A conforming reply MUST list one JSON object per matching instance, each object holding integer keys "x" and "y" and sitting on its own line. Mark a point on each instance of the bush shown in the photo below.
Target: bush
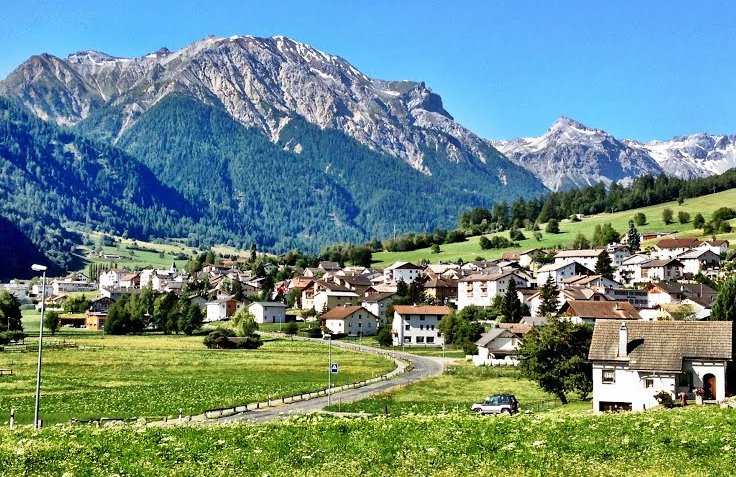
{"x": 219, "y": 339}
{"x": 553, "y": 227}
{"x": 683, "y": 217}
{"x": 664, "y": 399}
{"x": 667, "y": 215}
{"x": 698, "y": 221}
{"x": 724, "y": 213}
{"x": 516, "y": 234}
{"x": 640, "y": 219}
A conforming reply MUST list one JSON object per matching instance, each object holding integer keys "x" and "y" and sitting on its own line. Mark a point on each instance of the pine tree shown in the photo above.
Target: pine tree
{"x": 633, "y": 239}
{"x": 512, "y": 310}
{"x": 603, "y": 266}
{"x": 549, "y": 295}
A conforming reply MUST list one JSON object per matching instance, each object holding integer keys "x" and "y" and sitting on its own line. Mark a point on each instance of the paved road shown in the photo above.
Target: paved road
{"x": 423, "y": 367}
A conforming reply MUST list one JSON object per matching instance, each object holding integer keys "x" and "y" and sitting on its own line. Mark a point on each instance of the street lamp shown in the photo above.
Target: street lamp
{"x": 328, "y": 337}
{"x": 39, "y": 268}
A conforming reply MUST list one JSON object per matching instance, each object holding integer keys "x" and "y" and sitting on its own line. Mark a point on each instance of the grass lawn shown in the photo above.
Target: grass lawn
{"x": 155, "y": 375}
{"x": 696, "y": 441}
{"x": 470, "y": 249}
{"x": 462, "y": 385}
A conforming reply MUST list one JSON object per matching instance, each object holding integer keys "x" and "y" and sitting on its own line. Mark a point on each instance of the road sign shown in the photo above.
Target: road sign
{"x": 333, "y": 368}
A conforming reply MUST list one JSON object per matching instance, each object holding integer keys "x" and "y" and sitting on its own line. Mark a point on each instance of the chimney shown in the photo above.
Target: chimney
{"x": 623, "y": 340}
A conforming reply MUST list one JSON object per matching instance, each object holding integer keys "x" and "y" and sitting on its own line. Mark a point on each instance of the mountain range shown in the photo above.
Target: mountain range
{"x": 571, "y": 155}
{"x": 242, "y": 139}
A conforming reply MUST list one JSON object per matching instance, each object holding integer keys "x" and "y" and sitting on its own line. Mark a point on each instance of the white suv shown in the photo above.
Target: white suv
{"x": 497, "y": 404}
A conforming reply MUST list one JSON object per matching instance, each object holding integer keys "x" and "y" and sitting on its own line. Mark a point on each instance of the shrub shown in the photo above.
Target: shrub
{"x": 683, "y": 217}
{"x": 723, "y": 213}
{"x": 219, "y": 339}
{"x": 553, "y": 227}
{"x": 667, "y": 215}
{"x": 640, "y": 219}
{"x": 664, "y": 398}
{"x": 698, "y": 221}
{"x": 516, "y": 234}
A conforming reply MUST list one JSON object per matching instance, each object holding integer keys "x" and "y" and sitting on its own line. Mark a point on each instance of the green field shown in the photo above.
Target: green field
{"x": 461, "y": 385}
{"x": 470, "y": 249}
{"x": 694, "y": 442}
{"x": 155, "y": 375}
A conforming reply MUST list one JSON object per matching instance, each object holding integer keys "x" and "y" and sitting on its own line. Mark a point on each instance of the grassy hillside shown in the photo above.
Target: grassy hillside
{"x": 470, "y": 249}
{"x": 695, "y": 441}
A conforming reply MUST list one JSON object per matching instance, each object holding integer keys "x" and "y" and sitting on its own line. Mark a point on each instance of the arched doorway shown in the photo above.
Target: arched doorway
{"x": 709, "y": 386}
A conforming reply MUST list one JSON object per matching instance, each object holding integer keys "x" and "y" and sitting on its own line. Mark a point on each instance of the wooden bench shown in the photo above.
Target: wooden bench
{"x": 6, "y": 372}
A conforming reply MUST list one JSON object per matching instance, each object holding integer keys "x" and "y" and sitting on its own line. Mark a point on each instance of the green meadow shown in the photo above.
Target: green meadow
{"x": 155, "y": 375}
{"x": 694, "y": 441}
{"x": 470, "y": 249}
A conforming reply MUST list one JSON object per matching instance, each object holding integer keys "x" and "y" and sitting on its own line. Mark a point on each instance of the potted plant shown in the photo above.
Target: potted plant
{"x": 699, "y": 392}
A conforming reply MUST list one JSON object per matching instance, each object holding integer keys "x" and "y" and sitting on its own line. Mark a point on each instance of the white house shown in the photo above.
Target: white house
{"x": 350, "y": 320}
{"x": 67, "y": 286}
{"x": 586, "y": 257}
{"x": 377, "y": 303}
{"x": 618, "y": 253}
{"x": 497, "y": 344}
{"x": 719, "y": 247}
{"x": 268, "y": 311}
{"x": 634, "y": 360}
{"x": 561, "y": 271}
{"x": 661, "y": 270}
{"x": 406, "y": 271}
{"x": 417, "y": 325}
{"x": 480, "y": 289}
{"x": 222, "y": 309}
{"x": 326, "y": 299}
{"x": 110, "y": 278}
{"x": 698, "y": 260}
{"x": 672, "y": 247}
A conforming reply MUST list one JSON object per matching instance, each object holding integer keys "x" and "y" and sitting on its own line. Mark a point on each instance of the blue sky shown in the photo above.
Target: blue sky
{"x": 638, "y": 69}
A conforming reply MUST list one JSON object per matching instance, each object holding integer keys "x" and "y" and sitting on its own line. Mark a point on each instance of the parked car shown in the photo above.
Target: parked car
{"x": 497, "y": 404}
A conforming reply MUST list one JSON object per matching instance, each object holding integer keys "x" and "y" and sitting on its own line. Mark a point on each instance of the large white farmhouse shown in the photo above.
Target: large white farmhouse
{"x": 634, "y": 360}
{"x": 417, "y": 325}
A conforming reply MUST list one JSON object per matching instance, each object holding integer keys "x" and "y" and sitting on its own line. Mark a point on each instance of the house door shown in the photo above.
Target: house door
{"x": 709, "y": 382}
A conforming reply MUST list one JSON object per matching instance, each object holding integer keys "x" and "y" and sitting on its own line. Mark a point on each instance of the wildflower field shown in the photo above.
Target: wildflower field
{"x": 694, "y": 441}
{"x": 149, "y": 375}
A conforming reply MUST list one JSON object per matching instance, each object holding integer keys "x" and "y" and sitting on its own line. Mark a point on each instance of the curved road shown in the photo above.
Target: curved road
{"x": 423, "y": 367}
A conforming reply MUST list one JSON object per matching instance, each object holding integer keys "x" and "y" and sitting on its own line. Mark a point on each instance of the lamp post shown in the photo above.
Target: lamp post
{"x": 328, "y": 337}
{"x": 39, "y": 268}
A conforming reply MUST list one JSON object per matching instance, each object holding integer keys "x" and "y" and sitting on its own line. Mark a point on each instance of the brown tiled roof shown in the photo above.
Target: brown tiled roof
{"x": 678, "y": 243}
{"x": 342, "y": 312}
{"x": 421, "y": 310}
{"x": 717, "y": 242}
{"x": 662, "y": 345}
{"x": 376, "y": 297}
{"x": 600, "y": 309}
{"x": 516, "y": 328}
{"x": 672, "y": 262}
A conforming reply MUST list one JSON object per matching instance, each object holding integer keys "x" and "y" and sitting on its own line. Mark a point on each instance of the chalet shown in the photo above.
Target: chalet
{"x": 618, "y": 253}
{"x": 97, "y": 313}
{"x": 131, "y": 280}
{"x": 584, "y": 311}
{"x": 699, "y": 260}
{"x": 221, "y": 309}
{"x": 480, "y": 289}
{"x": 635, "y": 360}
{"x": 417, "y": 325}
{"x": 406, "y": 271}
{"x": 587, "y": 257}
{"x": 350, "y": 320}
{"x": 327, "y": 266}
{"x": 597, "y": 281}
{"x": 672, "y": 247}
{"x": 719, "y": 247}
{"x": 441, "y": 290}
{"x": 661, "y": 270}
{"x": 561, "y": 271}
{"x": 661, "y": 293}
{"x": 268, "y": 311}
{"x": 630, "y": 270}
{"x": 377, "y": 303}
{"x": 498, "y": 343}
{"x": 357, "y": 283}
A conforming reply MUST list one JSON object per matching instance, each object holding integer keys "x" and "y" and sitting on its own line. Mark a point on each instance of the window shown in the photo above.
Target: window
{"x": 649, "y": 383}
{"x": 609, "y": 376}
{"x": 407, "y": 327}
{"x": 421, "y": 317}
{"x": 350, "y": 324}
{"x": 430, "y": 339}
{"x": 407, "y": 339}
{"x": 685, "y": 380}
{"x": 360, "y": 325}
{"x": 420, "y": 339}
{"x": 421, "y": 327}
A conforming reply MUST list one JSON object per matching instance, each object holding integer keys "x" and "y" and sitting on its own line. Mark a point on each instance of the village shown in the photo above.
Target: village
{"x": 650, "y": 316}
